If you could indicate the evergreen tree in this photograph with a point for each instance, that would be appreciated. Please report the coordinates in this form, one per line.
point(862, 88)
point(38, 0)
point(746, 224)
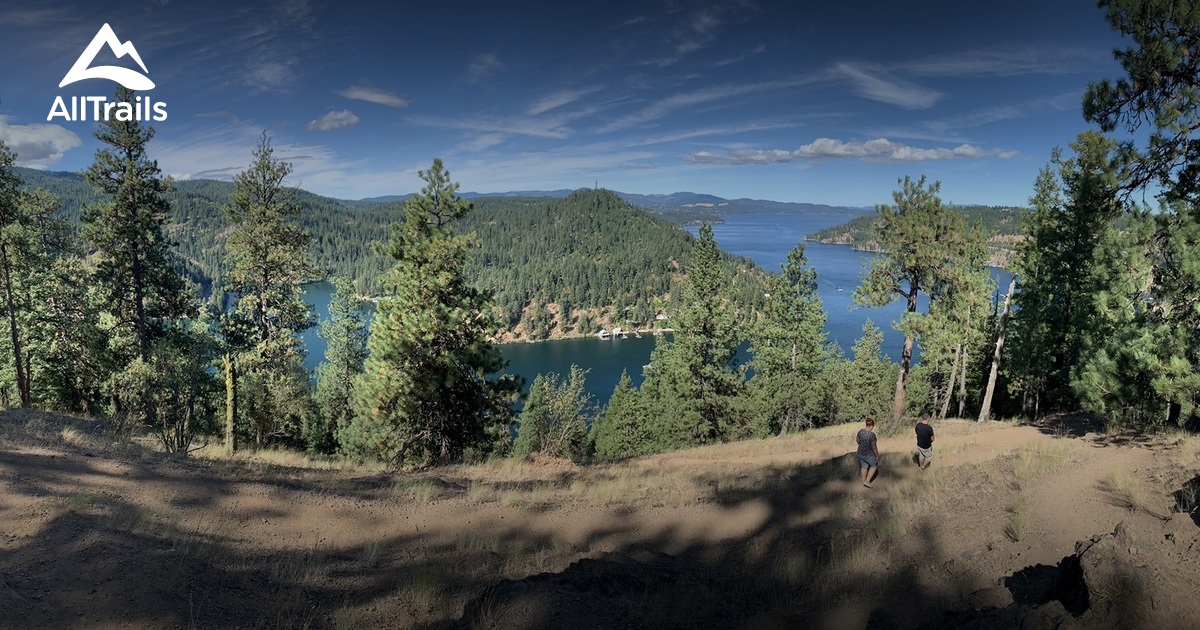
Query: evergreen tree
point(346, 334)
point(694, 380)
point(1118, 371)
point(555, 418)
point(267, 263)
point(135, 269)
point(789, 350)
point(1161, 90)
point(926, 248)
point(425, 396)
point(862, 385)
point(13, 239)
point(1074, 209)
point(621, 430)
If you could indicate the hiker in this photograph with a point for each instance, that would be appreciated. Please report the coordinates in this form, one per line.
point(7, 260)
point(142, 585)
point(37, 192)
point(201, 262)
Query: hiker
point(868, 452)
point(924, 442)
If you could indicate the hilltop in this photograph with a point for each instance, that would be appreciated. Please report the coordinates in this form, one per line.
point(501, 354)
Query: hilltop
point(1052, 525)
point(558, 267)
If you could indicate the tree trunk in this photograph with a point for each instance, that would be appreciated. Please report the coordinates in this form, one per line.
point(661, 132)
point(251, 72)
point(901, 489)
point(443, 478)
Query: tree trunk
point(962, 384)
point(986, 410)
point(950, 383)
point(18, 364)
point(230, 404)
point(905, 362)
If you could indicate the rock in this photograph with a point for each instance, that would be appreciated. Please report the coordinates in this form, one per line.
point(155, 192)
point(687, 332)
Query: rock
point(1118, 589)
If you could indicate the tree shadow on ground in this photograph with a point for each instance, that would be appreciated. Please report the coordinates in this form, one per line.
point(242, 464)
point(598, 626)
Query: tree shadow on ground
point(818, 550)
point(1072, 425)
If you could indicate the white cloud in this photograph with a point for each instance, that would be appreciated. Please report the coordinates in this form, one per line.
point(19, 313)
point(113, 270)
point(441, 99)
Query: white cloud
point(39, 145)
point(484, 142)
point(535, 127)
point(334, 120)
point(373, 95)
point(873, 83)
point(880, 150)
point(558, 99)
point(482, 67)
point(270, 75)
point(757, 50)
point(665, 106)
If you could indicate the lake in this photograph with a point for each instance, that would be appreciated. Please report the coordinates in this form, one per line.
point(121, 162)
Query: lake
point(764, 238)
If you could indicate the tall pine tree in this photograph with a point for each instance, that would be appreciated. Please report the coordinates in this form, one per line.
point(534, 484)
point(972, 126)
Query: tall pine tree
point(428, 394)
point(135, 269)
point(927, 248)
point(346, 333)
point(693, 379)
point(789, 349)
point(268, 261)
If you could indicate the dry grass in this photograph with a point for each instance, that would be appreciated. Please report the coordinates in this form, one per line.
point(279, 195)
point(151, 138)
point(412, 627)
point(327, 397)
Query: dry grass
point(285, 459)
point(1015, 528)
point(1130, 491)
point(422, 490)
point(1036, 460)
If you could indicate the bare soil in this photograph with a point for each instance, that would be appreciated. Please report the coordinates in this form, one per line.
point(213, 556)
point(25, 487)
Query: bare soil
point(97, 532)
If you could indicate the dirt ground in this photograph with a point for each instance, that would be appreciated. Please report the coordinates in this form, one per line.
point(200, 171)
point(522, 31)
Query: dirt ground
point(103, 533)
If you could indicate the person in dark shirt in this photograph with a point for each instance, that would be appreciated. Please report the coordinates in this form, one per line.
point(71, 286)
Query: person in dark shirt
point(868, 452)
point(924, 442)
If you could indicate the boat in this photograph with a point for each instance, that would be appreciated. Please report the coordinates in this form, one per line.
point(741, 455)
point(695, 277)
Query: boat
point(603, 334)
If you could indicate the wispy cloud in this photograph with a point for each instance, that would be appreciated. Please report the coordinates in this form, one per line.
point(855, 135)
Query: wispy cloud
point(724, 130)
point(482, 67)
point(33, 17)
point(1001, 62)
point(373, 95)
point(484, 142)
point(38, 145)
point(269, 76)
point(336, 119)
point(695, 31)
point(874, 83)
point(880, 149)
point(558, 99)
point(754, 52)
point(522, 126)
point(665, 106)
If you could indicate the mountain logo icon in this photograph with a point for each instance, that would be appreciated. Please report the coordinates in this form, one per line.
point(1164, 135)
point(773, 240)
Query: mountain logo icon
point(129, 78)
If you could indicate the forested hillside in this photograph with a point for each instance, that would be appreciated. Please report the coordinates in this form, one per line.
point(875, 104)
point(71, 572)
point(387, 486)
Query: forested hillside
point(1001, 224)
point(558, 267)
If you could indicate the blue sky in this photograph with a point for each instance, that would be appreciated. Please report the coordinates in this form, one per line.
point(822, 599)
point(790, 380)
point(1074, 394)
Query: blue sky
point(789, 101)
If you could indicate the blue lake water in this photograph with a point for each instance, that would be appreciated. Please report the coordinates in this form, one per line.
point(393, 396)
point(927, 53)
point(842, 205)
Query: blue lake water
point(764, 238)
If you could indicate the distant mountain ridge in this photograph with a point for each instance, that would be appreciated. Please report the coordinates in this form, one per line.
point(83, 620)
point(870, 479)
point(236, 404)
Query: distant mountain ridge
point(689, 206)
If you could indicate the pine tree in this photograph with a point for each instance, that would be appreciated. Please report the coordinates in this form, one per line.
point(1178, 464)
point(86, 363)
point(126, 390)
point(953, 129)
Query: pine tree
point(694, 380)
point(268, 261)
point(862, 384)
point(926, 249)
point(621, 430)
point(426, 396)
point(1055, 306)
point(13, 237)
point(555, 418)
point(1161, 90)
point(346, 333)
point(135, 269)
point(789, 349)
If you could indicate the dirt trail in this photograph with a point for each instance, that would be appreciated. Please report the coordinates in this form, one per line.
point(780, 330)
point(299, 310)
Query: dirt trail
point(96, 534)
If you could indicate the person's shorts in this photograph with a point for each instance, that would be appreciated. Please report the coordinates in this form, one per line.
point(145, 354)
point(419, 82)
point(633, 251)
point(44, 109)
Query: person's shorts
point(867, 461)
point(927, 453)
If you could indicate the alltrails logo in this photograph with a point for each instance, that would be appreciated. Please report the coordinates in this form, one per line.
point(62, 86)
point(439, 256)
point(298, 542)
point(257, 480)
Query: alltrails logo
point(143, 108)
